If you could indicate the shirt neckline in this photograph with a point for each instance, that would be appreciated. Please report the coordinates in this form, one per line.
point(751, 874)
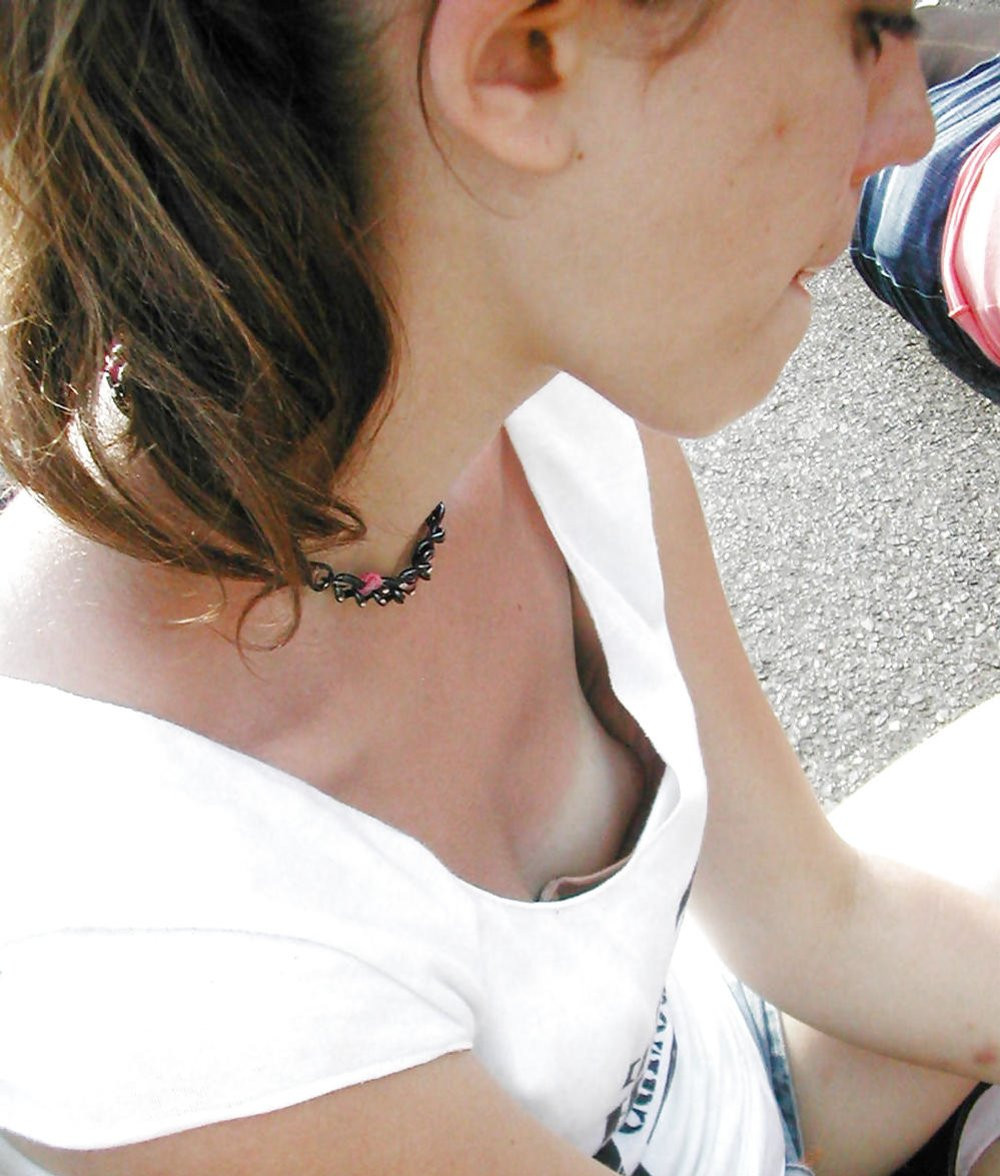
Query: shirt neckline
point(263, 770)
point(618, 477)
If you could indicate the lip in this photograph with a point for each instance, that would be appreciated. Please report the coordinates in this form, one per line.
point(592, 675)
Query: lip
point(808, 272)
point(824, 263)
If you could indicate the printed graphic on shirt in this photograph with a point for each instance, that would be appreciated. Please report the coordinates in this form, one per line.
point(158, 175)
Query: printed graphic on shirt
point(647, 1086)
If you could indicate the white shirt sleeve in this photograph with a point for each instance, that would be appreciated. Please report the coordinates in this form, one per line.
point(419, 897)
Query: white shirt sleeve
point(109, 1038)
point(189, 936)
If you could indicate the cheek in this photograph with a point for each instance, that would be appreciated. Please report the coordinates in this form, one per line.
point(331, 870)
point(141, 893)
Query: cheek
point(803, 203)
point(812, 139)
point(783, 126)
point(766, 172)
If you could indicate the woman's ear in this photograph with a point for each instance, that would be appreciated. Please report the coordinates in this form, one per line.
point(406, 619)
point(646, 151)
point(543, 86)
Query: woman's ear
point(499, 72)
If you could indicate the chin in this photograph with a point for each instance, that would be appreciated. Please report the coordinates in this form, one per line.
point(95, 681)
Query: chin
point(751, 378)
point(701, 392)
point(720, 398)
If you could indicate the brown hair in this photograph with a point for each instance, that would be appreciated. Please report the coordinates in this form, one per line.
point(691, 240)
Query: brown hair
point(188, 179)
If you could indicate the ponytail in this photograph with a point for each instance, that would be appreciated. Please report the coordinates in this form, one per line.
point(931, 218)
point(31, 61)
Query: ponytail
point(186, 179)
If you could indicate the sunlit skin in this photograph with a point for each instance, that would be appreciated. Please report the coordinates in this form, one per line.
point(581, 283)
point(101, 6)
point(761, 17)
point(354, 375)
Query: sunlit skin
point(561, 232)
point(630, 268)
point(649, 227)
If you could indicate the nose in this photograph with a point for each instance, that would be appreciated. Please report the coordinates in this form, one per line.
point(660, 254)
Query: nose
point(900, 125)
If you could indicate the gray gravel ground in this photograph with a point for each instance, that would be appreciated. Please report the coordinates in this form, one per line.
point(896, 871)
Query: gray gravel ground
point(856, 516)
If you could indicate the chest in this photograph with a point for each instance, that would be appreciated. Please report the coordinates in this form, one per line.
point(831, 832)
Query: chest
point(494, 753)
point(486, 728)
point(461, 719)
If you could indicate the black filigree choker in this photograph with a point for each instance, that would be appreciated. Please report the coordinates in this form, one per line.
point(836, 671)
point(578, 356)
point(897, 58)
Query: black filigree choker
point(383, 589)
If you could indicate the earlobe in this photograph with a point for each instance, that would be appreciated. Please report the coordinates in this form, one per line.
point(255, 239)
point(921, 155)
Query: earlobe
point(499, 72)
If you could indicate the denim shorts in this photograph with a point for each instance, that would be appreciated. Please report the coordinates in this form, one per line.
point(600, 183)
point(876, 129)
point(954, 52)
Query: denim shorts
point(764, 1022)
point(940, 1155)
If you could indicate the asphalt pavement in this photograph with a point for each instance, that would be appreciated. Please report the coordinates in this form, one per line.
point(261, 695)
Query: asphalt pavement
point(856, 518)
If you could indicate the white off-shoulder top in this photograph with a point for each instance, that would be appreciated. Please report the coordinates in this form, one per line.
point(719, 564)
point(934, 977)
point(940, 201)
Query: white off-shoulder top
point(188, 935)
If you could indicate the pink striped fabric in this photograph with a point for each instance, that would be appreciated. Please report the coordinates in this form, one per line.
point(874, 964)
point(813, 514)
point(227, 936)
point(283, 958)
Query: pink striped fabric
point(970, 252)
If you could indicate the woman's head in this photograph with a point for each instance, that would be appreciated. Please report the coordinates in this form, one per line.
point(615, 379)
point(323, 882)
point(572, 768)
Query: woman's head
point(648, 214)
point(261, 202)
point(196, 184)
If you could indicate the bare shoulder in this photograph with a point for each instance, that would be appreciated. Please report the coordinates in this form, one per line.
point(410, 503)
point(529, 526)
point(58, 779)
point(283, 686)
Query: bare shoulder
point(36, 575)
point(70, 615)
point(677, 512)
point(723, 685)
point(447, 1117)
point(696, 601)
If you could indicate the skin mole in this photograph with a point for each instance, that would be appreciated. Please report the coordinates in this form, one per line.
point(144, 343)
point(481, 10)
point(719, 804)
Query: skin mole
point(782, 125)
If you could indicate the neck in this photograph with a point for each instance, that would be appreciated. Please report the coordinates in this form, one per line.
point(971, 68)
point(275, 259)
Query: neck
point(415, 457)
